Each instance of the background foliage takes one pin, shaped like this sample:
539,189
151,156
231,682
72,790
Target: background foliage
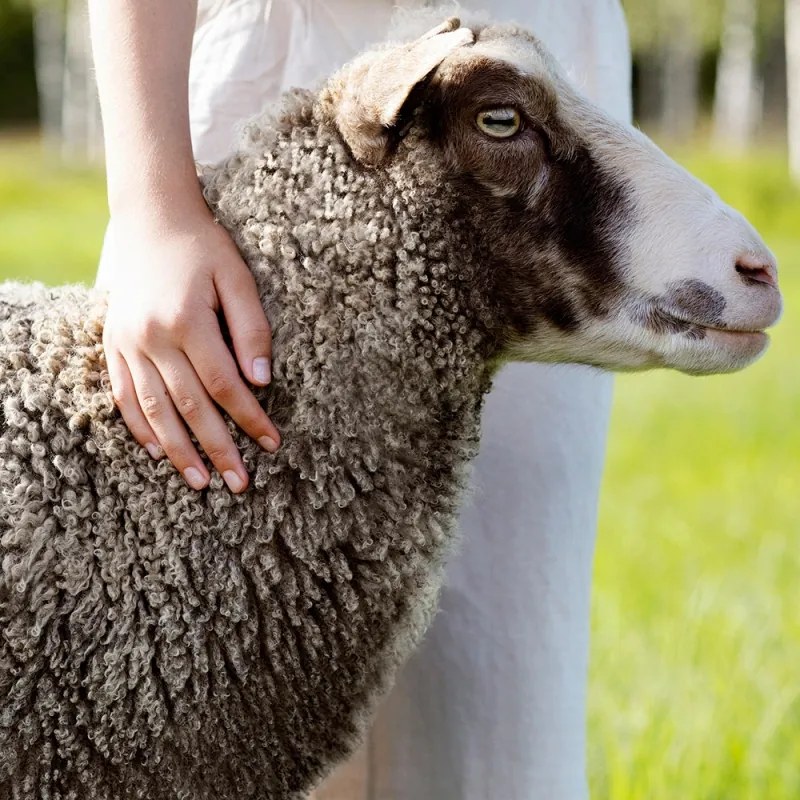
17,76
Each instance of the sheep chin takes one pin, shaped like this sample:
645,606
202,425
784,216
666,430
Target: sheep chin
721,352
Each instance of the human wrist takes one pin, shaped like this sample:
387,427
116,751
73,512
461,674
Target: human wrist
148,178
170,202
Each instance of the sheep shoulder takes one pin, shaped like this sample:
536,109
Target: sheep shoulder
232,646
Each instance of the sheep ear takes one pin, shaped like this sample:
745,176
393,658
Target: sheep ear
378,86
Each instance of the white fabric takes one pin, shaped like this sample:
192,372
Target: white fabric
248,51
493,705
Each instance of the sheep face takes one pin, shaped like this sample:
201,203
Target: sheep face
605,251
594,246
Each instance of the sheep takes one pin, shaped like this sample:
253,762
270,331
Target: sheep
437,209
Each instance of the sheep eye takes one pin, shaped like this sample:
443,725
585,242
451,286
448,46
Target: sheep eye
499,123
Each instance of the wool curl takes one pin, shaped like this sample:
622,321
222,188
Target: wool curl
163,643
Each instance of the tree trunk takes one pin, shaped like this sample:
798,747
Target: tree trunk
736,98
49,33
680,82
773,96
649,89
793,83
81,130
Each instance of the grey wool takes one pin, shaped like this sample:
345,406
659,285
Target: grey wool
159,642
438,208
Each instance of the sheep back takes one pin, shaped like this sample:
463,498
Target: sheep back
160,642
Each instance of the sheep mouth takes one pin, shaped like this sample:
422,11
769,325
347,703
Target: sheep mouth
700,346
667,321
695,326
737,346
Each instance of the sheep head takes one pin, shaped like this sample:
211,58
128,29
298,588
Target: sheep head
593,245
378,85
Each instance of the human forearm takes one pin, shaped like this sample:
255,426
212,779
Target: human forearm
174,275
142,50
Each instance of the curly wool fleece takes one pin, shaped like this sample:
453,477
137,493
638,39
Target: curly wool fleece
163,643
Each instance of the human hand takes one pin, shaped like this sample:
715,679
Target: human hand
172,276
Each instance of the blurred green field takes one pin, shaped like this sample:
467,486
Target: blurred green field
695,685
52,218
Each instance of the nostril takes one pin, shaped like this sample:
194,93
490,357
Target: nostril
754,271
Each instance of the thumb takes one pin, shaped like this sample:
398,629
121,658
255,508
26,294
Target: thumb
246,321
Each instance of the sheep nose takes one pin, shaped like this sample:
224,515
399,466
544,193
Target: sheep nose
757,269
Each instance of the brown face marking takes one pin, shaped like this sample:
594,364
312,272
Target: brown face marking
696,300
546,215
655,319
684,308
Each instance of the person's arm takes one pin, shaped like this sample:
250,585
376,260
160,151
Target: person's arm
173,268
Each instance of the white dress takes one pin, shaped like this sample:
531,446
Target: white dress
493,705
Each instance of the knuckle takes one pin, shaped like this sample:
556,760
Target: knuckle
253,419
180,322
219,453
258,334
188,407
120,396
180,454
155,328
152,405
236,273
220,386
150,330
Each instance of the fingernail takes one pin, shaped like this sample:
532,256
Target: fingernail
194,478
154,450
235,483
261,370
268,443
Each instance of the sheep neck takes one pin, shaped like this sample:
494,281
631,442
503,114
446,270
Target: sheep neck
380,331
383,352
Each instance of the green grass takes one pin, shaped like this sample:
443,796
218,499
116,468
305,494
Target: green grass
52,218
696,652
694,682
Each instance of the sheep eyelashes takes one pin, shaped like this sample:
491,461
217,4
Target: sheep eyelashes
160,642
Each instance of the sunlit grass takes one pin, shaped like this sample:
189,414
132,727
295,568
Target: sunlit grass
694,687
52,217
695,692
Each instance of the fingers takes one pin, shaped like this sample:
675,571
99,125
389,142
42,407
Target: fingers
164,390
168,381
127,402
159,409
194,405
247,322
217,371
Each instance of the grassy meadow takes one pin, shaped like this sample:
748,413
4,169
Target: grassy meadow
695,683
52,218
